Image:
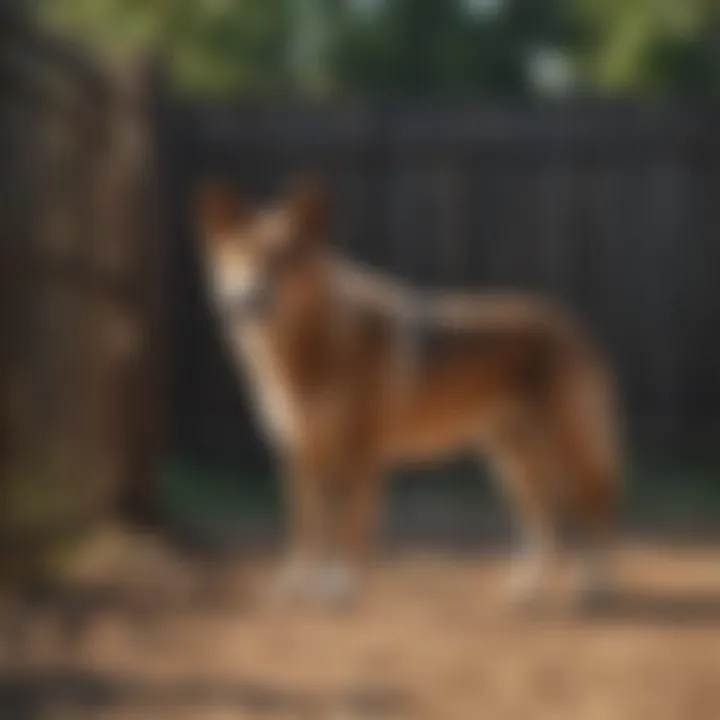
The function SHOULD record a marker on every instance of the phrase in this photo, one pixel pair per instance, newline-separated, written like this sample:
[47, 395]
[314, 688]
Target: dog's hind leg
[523, 464]
[592, 499]
[588, 444]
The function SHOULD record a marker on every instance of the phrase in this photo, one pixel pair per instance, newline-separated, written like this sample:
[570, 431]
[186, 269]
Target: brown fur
[359, 375]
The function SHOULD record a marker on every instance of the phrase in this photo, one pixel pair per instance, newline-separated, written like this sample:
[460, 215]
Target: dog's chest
[273, 395]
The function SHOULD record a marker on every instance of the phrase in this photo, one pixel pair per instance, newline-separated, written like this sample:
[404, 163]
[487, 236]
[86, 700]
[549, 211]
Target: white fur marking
[336, 582]
[250, 346]
[273, 397]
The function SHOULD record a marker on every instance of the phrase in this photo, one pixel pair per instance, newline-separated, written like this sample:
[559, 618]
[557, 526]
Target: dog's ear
[310, 210]
[218, 210]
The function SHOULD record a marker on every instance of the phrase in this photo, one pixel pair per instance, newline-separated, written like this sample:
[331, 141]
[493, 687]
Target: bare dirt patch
[431, 638]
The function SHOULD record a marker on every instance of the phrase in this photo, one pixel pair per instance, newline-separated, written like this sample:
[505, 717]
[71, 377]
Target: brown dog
[352, 374]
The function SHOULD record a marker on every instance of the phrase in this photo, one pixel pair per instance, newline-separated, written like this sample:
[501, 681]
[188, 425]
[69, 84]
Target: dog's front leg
[354, 520]
[305, 499]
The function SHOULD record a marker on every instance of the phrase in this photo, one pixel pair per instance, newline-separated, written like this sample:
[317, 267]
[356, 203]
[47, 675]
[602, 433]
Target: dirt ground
[431, 638]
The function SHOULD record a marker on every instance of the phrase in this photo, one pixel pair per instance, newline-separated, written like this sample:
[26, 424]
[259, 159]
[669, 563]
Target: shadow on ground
[33, 695]
[658, 608]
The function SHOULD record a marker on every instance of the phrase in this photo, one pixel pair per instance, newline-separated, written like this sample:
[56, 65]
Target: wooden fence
[614, 209]
[105, 326]
[81, 280]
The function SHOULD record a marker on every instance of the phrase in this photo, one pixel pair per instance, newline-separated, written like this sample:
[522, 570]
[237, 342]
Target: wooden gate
[82, 284]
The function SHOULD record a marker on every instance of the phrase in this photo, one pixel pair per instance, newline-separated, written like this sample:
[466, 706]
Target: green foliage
[476, 47]
[421, 46]
[211, 45]
[665, 46]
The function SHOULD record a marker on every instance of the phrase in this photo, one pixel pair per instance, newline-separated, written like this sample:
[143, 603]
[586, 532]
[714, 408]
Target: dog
[352, 373]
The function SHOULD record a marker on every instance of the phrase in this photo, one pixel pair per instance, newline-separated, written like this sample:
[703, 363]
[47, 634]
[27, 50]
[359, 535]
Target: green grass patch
[198, 490]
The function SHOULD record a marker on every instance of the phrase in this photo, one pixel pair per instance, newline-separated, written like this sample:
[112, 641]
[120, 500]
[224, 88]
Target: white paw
[294, 581]
[335, 583]
[525, 583]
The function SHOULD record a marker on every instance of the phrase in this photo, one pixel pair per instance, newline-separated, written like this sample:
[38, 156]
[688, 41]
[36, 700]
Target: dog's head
[265, 260]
